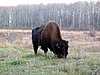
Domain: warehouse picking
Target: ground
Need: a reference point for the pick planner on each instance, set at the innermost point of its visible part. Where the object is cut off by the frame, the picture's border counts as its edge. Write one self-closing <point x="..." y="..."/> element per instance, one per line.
<point x="17" y="56"/>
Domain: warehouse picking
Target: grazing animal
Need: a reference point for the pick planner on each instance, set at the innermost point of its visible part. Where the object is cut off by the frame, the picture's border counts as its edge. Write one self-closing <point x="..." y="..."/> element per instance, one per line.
<point x="36" y="35"/>
<point x="51" y="38"/>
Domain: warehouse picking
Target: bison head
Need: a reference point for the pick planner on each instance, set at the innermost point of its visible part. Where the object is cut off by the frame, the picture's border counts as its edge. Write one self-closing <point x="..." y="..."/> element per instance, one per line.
<point x="60" y="48"/>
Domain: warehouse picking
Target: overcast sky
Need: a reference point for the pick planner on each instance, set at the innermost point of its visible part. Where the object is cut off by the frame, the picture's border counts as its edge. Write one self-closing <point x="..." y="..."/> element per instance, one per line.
<point x="17" y="2"/>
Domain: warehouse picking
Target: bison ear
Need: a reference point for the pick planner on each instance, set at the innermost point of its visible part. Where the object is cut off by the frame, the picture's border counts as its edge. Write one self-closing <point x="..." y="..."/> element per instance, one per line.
<point x="57" y="45"/>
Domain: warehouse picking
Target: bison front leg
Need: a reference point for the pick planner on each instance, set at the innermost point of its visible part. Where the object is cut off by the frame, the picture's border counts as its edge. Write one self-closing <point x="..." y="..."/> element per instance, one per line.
<point x="43" y="44"/>
<point x="45" y="52"/>
<point x="45" y="49"/>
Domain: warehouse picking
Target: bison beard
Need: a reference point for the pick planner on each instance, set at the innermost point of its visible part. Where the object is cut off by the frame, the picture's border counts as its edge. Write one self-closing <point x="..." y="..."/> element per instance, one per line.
<point x="51" y="38"/>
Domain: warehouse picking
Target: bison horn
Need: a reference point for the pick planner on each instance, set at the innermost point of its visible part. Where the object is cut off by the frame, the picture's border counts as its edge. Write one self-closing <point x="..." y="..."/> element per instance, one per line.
<point x="57" y="45"/>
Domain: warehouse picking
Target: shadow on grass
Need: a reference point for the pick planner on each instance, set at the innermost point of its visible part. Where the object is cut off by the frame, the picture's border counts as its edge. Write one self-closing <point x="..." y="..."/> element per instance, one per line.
<point x="39" y="55"/>
<point x="17" y="62"/>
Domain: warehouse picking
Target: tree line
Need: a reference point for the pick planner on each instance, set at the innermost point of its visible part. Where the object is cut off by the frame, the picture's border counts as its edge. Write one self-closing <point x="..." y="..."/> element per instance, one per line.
<point x="78" y="15"/>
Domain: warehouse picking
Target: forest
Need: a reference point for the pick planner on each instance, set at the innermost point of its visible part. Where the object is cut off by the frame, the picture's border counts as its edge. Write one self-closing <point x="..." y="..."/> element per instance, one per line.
<point x="78" y="15"/>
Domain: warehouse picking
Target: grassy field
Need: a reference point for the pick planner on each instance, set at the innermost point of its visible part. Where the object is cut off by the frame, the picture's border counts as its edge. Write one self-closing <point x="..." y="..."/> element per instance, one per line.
<point x="22" y="61"/>
<point x="17" y="59"/>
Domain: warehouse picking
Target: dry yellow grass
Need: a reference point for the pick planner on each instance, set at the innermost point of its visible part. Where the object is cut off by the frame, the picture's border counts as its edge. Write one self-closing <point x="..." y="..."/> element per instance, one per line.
<point x="22" y="38"/>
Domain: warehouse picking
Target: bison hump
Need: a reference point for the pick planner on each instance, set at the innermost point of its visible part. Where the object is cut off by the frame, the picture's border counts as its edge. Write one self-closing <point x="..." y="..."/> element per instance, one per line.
<point x="51" y="31"/>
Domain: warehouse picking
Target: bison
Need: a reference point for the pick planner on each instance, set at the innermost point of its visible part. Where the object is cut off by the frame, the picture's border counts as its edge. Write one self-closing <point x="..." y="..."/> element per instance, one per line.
<point x="51" y="38"/>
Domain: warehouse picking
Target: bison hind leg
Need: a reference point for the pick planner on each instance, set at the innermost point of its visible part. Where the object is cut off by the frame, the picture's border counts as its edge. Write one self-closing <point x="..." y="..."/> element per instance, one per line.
<point x="35" y="49"/>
